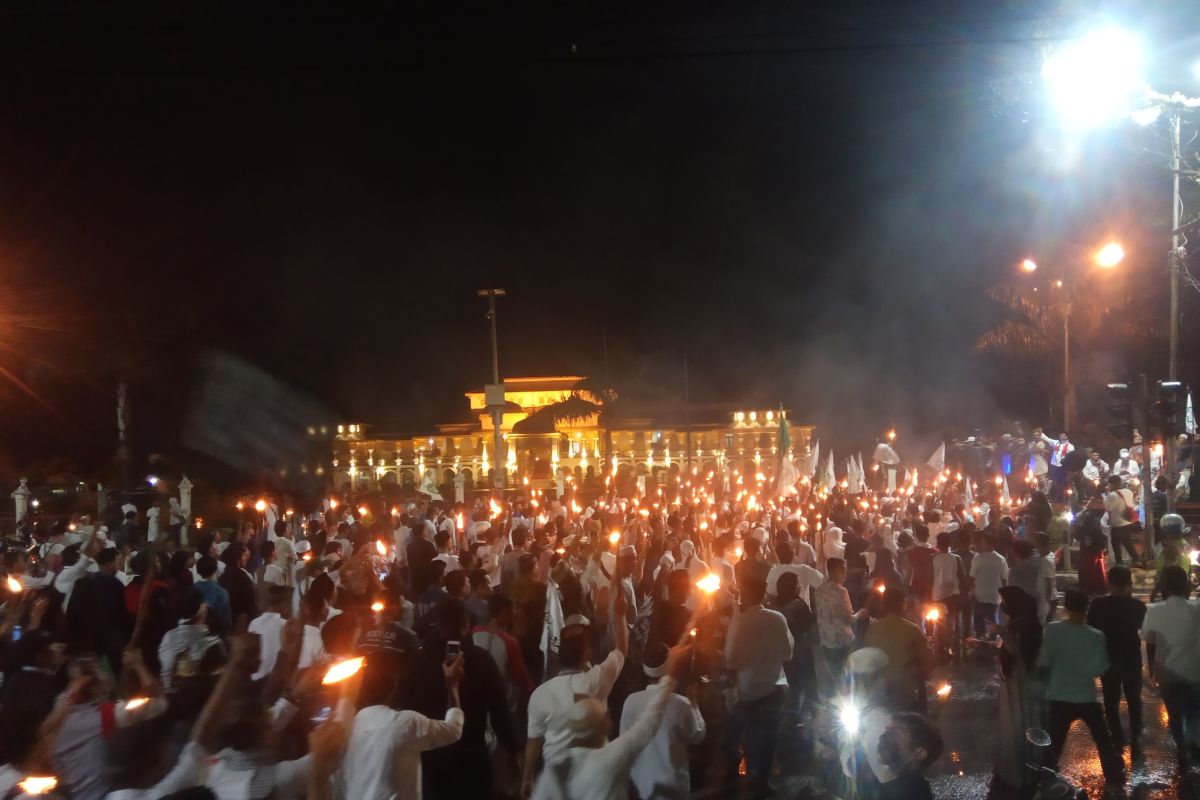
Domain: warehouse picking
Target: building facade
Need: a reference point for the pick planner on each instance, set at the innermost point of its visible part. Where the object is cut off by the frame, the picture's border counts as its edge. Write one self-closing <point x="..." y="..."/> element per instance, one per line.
<point x="581" y="451"/>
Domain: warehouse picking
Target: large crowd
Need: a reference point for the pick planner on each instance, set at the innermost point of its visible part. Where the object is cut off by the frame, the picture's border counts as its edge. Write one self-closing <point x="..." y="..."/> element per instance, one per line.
<point x="625" y="644"/>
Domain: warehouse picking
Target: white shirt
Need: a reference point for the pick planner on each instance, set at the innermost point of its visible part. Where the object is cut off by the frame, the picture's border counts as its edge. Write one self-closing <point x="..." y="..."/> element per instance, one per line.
<point x="1173" y="627"/>
<point x="1117" y="504"/>
<point x="65" y="580"/>
<point x="550" y="702"/>
<point x="945" y="575"/>
<point x="663" y="763"/>
<point x="805" y="554"/>
<point x="757" y="645"/>
<point x="1045" y="596"/>
<point x="990" y="572"/>
<point x="1126" y="468"/>
<point x="273" y="574"/>
<point x="312" y="647"/>
<point x="1094" y="470"/>
<point x="383" y="756"/>
<point x="450" y="560"/>
<point x="808" y="578"/>
<point x="602" y="773"/>
<point x="269" y="627"/>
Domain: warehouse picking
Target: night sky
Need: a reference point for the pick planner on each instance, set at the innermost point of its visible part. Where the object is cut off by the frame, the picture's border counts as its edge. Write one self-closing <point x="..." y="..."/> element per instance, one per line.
<point x="805" y="200"/>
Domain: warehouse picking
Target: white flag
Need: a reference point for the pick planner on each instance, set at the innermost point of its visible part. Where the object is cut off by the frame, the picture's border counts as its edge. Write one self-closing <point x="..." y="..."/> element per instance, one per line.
<point x="552" y="629"/>
<point x="785" y="480"/>
<point x="853" y="479"/>
<point x="1189" y="418"/>
<point x="968" y="498"/>
<point x="937" y="461"/>
<point x="814" y="459"/>
<point x="1004" y="495"/>
<point x="830" y="480"/>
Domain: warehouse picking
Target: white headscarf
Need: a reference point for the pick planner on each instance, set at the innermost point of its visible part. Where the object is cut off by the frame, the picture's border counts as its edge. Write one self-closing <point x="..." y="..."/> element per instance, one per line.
<point x="834" y="546"/>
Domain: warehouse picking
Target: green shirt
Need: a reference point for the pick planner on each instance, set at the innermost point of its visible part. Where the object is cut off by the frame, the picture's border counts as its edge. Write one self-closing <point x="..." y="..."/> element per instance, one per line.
<point x="1073" y="656"/>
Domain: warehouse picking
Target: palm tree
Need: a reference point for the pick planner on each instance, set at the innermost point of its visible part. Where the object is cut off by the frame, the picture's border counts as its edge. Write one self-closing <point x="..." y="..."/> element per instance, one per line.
<point x="1042" y="324"/>
<point x="588" y="398"/>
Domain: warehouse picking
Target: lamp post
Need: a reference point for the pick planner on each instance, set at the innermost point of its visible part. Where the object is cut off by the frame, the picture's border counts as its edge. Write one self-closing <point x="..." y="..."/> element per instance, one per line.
<point x="1096" y="81"/>
<point x="494" y="394"/>
<point x="1106" y="257"/>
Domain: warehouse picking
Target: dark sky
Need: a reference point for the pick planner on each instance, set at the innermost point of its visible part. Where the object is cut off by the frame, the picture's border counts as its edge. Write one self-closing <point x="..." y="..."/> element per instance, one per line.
<point x="804" y="199"/>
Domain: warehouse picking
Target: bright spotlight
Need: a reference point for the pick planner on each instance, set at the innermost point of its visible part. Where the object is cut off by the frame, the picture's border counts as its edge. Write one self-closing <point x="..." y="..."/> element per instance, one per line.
<point x="1110" y="255"/>
<point x="1029" y="265"/>
<point x="848" y="716"/>
<point x="1095" y="80"/>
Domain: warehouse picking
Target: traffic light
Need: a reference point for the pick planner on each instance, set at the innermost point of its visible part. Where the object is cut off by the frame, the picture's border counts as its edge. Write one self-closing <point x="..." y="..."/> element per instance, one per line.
<point x="1168" y="408"/>
<point x="1120" y="411"/>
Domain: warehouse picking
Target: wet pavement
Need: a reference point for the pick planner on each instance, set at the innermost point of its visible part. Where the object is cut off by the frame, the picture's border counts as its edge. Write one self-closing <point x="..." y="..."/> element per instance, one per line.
<point x="969" y="724"/>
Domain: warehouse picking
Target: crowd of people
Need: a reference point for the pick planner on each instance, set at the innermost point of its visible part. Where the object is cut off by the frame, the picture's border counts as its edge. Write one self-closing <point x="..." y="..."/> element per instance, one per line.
<point x="538" y="646"/>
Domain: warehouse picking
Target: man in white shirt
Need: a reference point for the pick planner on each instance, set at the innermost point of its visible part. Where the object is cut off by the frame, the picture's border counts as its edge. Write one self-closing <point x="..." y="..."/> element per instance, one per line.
<point x="268" y="626"/>
<point x="444" y="542"/>
<point x="948" y="574"/>
<point x="1125" y="467"/>
<point x="551" y="703"/>
<point x="1172" y="634"/>
<point x="756" y="647"/>
<point x="383" y="756"/>
<point x="806" y="576"/>
<point x="65" y="581"/>
<point x="594" y="768"/>
<point x="661" y="770"/>
<point x="1095" y="470"/>
<point x="1119" y="504"/>
<point x="989" y="571"/>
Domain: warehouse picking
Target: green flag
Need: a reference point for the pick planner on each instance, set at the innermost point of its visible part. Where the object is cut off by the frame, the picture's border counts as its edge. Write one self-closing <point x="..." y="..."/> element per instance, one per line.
<point x="785" y="434"/>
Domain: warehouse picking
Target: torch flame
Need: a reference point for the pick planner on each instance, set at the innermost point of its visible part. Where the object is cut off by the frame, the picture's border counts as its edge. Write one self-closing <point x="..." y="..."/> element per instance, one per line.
<point x="709" y="583"/>
<point x="943" y="691"/>
<point x="614" y="537"/>
<point x="260" y="506"/>
<point x="342" y="670"/>
<point x="377" y="606"/>
<point x="36" y="784"/>
<point x="460" y="522"/>
<point x="881" y="588"/>
<point x="333" y="504"/>
<point x="933" y="615"/>
<point x="380" y="547"/>
<point x="13" y="585"/>
<point x="134" y="703"/>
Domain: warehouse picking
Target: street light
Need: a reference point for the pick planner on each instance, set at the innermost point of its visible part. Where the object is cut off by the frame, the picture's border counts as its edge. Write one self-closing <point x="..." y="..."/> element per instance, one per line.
<point x="1109" y="256"/>
<point x="1097" y="80"/>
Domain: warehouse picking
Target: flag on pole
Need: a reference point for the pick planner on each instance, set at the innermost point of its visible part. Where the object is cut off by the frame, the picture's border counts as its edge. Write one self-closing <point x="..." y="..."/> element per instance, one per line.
<point x="853" y="479"/>
<point x="968" y="498"/>
<point x="937" y="461"/>
<point x="552" y="629"/>
<point x="1189" y="418"/>
<point x="785" y="434"/>
<point x="830" y="480"/>
<point x="1005" y="497"/>
<point x="814" y="459"/>
<point x="786" y="477"/>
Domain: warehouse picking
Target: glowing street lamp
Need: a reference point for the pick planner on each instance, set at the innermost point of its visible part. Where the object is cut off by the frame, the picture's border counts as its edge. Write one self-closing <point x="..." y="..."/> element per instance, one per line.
<point x="1029" y="265"/>
<point x="1109" y="256"/>
<point x="1095" y="80"/>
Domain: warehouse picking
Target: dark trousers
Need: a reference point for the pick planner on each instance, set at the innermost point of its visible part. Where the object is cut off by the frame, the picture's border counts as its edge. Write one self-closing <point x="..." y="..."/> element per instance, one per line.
<point x="984" y="613"/>
<point x="835" y="660"/>
<point x="1122" y="537"/>
<point x="757" y="722"/>
<point x="1063" y="714"/>
<point x="1183" y="712"/>
<point x="1125" y="679"/>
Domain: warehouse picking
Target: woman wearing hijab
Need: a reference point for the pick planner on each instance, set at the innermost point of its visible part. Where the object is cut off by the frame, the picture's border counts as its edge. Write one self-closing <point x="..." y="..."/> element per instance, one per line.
<point x="886" y="575"/>
<point x="834" y="546"/>
<point x="1021" y="695"/>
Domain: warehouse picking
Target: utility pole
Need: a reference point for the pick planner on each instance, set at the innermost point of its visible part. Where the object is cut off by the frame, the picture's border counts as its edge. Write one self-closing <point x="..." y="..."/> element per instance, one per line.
<point x="1141" y="421"/>
<point x="1175" y="256"/>
<point x="687" y="421"/>
<point x="494" y="392"/>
